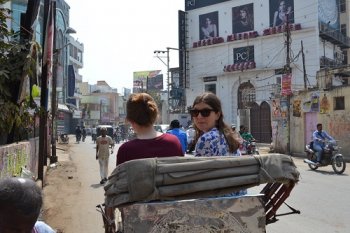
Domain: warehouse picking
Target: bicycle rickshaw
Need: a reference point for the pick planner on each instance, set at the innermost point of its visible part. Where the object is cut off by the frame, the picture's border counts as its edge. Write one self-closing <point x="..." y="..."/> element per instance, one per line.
<point x="188" y="194"/>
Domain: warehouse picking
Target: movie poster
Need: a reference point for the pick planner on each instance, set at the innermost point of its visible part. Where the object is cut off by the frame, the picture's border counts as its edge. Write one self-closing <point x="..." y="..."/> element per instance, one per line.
<point x="243" y="18"/>
<point x="209" y="25"/>
<point x="312" y="104"/>
<point x="280" y="12"/>
<point x="276" y="108"/>
<point x="297" y="108"/>
<point x="324" y="105"/>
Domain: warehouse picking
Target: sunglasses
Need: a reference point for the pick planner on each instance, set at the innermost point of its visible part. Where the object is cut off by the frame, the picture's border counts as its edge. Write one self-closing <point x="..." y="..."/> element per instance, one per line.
<point x="204" y="112"/>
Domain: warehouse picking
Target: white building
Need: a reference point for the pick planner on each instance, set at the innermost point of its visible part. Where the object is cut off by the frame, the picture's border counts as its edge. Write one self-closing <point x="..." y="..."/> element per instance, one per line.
<point x="245" y="66"/>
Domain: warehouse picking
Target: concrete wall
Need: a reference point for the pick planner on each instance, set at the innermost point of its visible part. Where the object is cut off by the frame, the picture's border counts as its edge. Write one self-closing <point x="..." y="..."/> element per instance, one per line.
<point x="335" y="122"/>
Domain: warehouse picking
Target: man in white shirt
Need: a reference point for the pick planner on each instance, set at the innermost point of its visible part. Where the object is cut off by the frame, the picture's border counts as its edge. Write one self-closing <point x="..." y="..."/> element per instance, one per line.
<point x="103" y="143"/>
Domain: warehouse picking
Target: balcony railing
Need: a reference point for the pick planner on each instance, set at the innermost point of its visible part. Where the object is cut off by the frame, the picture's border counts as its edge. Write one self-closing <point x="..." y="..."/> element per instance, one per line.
<point x="333" y="36"/>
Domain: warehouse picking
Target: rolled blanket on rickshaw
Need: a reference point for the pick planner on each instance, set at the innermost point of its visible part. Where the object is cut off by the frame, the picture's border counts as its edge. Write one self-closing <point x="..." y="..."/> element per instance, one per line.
<point x="176" y="178"/>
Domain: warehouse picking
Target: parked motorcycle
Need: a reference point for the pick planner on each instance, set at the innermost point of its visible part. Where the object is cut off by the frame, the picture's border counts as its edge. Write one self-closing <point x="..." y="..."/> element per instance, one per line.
<point x="330" y="156"/>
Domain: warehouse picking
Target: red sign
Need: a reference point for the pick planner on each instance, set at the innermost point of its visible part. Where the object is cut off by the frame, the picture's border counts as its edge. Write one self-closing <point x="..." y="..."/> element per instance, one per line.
<point x="286" y="84"/>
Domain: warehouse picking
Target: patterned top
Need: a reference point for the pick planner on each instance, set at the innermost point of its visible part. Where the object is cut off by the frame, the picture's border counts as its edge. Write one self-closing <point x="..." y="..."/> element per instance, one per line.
<point x="213" y="143"/>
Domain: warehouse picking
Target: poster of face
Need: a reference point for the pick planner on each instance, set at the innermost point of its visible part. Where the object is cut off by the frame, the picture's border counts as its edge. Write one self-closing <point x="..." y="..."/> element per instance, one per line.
<point x="281" y="11"/>
<point x="276" y="108"/>
<point x="209" y="25"/>
<point x="324" y="105"/>
<point x="312" y="104"/>
<point x="284" y="108"/>
<point x="242" y="18"/>
<point x="297" y="108"/>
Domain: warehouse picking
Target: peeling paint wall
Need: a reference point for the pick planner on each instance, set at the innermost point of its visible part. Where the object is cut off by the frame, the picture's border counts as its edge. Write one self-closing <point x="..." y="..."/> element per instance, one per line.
<point x="12" y="158"/>
<point x="335" y="122"/>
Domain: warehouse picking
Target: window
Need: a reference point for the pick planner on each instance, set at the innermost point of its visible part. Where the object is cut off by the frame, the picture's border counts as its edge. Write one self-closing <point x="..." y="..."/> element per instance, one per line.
<point x="345" y="53"/>
<point x="343" y="29"/>
<point x="339" y="103"/>
<point x="342" y="6"/>
<point x="210" y="88"/>
<point x="246" y="95"/>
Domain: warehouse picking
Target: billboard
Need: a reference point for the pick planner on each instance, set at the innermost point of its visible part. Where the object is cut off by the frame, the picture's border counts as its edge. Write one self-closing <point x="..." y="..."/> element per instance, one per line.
<point x="147" y="80"/>
<point x="243" y="18"/>
<point x="279" y="10"/>
<point x="328" y="13"/>
<point x="194" y="4"/>
<point x="243" y="54"/>
<point x="209" y="25"/>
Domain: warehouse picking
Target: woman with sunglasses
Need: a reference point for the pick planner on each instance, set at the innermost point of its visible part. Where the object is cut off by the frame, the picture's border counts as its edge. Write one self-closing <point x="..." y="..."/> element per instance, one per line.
<point x="214" y="136"/>
<point x="142" y="113"/>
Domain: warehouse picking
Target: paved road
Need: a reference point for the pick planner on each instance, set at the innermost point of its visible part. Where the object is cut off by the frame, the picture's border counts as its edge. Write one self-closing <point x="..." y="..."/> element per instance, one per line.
<point x="322" y="197"/>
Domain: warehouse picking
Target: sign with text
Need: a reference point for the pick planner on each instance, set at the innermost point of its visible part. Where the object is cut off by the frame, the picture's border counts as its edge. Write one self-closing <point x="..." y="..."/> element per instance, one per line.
<point x="243" y="54"/>
<point x="286" y="84"/>
<point x="147" y="80"/>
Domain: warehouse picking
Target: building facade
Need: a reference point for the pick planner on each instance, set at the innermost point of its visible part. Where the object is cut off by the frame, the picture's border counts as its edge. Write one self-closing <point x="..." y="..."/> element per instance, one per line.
<point x="253" y="53"/>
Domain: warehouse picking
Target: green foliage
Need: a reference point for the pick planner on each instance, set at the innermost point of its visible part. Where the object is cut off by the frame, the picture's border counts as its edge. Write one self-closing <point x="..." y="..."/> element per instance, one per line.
<point x="16" y="63"/>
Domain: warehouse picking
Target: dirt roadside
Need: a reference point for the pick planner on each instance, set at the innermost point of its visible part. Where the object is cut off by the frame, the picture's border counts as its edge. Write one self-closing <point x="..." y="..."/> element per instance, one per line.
<point x="61" y="189"/>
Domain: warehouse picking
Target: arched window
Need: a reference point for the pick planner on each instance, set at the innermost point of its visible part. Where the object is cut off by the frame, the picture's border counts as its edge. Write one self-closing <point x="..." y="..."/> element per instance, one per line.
<point x="246" y="95"/>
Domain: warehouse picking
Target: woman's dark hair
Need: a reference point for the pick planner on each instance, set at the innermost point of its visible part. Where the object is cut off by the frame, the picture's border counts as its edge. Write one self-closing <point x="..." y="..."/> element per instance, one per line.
<point x="213" y="101"/>
<point x="141" y="109"/>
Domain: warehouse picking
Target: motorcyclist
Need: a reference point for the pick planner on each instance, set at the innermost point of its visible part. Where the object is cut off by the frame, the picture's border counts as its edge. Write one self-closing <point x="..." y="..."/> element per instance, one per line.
<point x="247" y="138"/>
<point x="319" y="137"/>
<point x="246" y="135"/>
<point x="78" y="133"/>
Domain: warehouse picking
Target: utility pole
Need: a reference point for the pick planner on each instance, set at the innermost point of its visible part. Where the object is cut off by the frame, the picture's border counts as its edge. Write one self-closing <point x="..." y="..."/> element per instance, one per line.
<point x="53" y="158"/>
<point x="304" y="69"/>
<point x="288" y="73"/>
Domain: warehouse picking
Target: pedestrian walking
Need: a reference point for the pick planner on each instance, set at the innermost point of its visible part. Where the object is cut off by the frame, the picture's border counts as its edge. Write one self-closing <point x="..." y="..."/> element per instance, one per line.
<point x="103" y="144"/>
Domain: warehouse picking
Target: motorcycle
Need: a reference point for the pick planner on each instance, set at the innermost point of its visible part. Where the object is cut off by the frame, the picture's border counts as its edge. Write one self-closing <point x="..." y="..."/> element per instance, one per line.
<point x="64" y="138"/>
<point x="249" y="148"/>
<point x="330" y="156"/>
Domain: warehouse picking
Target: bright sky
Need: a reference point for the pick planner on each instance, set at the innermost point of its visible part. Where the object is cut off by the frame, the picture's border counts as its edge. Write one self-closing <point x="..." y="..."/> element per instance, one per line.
<point x="120" y="37"/>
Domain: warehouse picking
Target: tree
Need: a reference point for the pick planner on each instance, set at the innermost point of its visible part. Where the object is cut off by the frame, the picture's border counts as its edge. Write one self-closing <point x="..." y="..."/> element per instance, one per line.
<point x="17" y="63"/>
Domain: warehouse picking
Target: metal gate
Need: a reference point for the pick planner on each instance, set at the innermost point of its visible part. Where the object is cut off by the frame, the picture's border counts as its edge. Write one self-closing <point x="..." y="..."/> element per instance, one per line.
<point x="260" y="122"/>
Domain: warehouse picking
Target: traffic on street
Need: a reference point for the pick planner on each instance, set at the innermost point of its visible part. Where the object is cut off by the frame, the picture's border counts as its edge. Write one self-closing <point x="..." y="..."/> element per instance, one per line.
<point x="319" y="195"/>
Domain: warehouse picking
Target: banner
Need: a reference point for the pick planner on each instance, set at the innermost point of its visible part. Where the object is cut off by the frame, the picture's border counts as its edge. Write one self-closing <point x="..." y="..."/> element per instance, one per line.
<point x="286" y="84"/>
<point x="48" y="44"/>
<point x="147" y="80"/>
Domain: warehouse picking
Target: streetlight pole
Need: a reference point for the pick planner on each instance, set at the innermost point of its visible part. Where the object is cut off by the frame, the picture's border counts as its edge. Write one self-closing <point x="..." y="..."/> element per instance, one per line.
<point x="167" y="64"/>
<point x="157" y="52"/>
